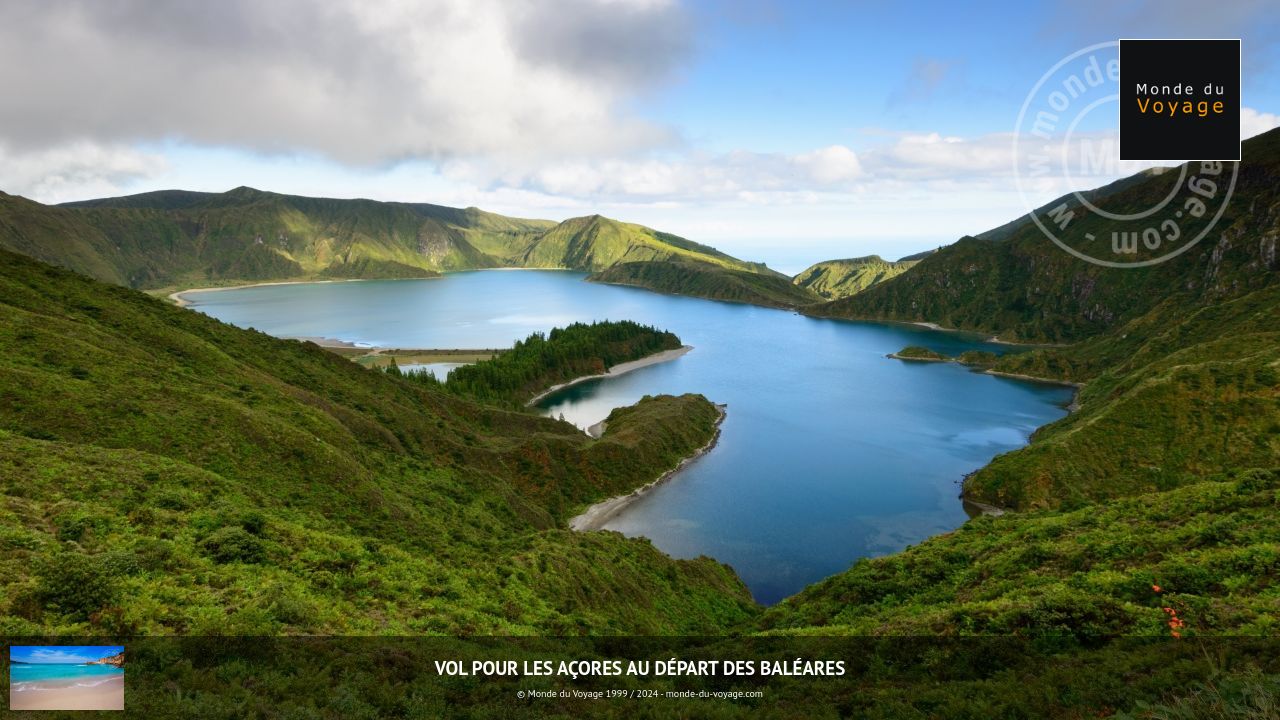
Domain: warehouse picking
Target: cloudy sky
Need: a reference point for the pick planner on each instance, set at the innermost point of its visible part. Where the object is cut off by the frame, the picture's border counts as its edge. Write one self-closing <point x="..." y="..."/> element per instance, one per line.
<point x="781" y="131"/>
<point x="62" y="654"/>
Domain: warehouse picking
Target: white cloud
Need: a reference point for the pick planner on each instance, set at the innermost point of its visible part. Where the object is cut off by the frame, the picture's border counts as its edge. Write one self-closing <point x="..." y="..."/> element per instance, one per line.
<point x="692" y="177"/>
<point x="364" y="83"/>
<point x="1253" y="122"/>
<point x="75" y="170"/>
<point x="932" y="156"/>
<point x="829" y="165"/>
<point x="51" y="655"/>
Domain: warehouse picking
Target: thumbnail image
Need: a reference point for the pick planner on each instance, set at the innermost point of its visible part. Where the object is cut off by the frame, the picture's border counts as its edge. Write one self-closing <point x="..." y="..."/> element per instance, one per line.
<point x="66" y="677"/>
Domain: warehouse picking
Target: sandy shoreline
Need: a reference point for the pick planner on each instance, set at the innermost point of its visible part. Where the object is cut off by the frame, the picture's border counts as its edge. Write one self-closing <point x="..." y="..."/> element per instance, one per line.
<point x="616" y="370"/>
<point x="1073" y="406"/>
<point x="989" y="338"/>
<point x="597" y="430"/>
<point x="326" y="342"/>
<point x="180" y="301"/>
<point x="983" y="508"/>
<point x="106" y="695"/>
<point x="594" y="517"/>
<point x="1033" y="378"/>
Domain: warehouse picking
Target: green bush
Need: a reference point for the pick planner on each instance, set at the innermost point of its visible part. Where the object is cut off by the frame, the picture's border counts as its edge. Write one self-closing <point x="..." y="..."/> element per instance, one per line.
<point x="233" y="544"/>
<point x="117" y="563"/>
<point x="74" y="584"/>
<point x="153" y="554"/>
<point x="78" y="526"/>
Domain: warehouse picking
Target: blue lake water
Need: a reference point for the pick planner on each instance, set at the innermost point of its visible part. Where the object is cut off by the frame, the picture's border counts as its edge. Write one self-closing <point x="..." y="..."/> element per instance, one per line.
<point x="830" y="451"/>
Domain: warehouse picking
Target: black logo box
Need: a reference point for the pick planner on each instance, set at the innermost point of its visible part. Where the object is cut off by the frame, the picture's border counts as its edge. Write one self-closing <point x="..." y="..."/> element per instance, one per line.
<point x="1185" y="67"/>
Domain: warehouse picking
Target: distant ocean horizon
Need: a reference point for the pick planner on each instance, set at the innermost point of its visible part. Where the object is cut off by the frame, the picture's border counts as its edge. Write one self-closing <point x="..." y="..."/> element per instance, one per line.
<point x="34" y="676"/>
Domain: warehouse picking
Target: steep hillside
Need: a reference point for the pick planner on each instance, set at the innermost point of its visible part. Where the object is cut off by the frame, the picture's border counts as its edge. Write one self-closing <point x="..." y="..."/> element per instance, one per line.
<point x="705" y="280"/>
<point x="833" y="279"/>
<point x="1082" y="574"/>
<point x="1023" y="287"/>
<point x="179" y="238"/>
<point x="161" y="472"/>
<point x="1181" y="361"/>
<point x="595" y="243"/>
<point x="1151" y="503"/>
<point x="126" y="246"/>
<point x="1171" y="398"/>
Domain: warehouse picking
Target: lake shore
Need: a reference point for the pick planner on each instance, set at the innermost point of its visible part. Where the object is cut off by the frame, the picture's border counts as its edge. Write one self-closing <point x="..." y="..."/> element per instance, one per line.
<point x="107" y="694"/>
<point x="1073" y="406"/>
<point x="616" y="370"/>
<point x="597" y="430"/>
<point x="908" y="358"/>
<point x="989" y="338"/>
<point x="180" y="301"/>
<point x="973" y="507"/>
<point x="595" y="517"/>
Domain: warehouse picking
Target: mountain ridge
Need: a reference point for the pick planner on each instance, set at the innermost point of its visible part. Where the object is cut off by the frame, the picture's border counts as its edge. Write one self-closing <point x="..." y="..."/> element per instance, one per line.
<point x="1012" y="281"/>
<point x="182" y="239"/>
<point x="833" y="279"/>
<point x="168" y="473"/>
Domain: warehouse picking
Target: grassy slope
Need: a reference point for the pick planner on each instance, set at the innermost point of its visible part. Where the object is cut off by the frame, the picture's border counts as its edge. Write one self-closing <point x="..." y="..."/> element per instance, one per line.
<point x="163" y="472"/>
<point x="1212" y="547"/>
<point x="705" y="280"/>
<point x="1179" y="360"/>
<point x="595" y="243"/>
<point x="178" y="238"/>
<point x="832" y="279"/>
<point x="1174" y="396"/>
<point x="1025" y="288"/>
<point x="126" y="246"/>
<point x="1167" y="475"/>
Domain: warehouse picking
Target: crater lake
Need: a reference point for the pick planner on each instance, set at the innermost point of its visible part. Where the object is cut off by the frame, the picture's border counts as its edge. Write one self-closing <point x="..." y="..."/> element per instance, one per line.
<point x="829" y="452"/>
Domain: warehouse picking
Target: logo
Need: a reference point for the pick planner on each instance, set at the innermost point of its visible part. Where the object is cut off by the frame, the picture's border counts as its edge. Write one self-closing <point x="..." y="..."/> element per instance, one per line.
<point x="1110" y="212"/>
<point x="1180" y="99"/>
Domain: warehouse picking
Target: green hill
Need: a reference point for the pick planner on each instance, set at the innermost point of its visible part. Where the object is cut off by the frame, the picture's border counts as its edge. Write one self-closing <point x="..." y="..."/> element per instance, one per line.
<point x="545" y="360"/>
<point x="179" y="238"/>
<point x="1075" y="574"/>
<point x="832" y="279"/>
<point x="1181" y="395"/>
<point x="711" y="281"/>
<point x="1179" y="360"/>
<point x="1172" y="397"/>
<point x="165" y="473"/>
<point x="1025" y="288"/>
<point x="595" y="243"/>
<point x="1153" y="502"/>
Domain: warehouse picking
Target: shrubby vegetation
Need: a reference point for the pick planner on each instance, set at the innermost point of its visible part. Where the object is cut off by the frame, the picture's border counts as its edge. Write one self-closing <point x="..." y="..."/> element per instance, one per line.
<point x="176" y="238"/>
<point x="916" y="352"/>
<point x="1087" y="575"/>
<point x="205" y="480"/>
<point x="163" y="473"/>
<point x="542" y="360"/>
<point x="758" y="286"/>
<point x="1170" y="399"/>
<point x="832" y="279"/>
<point x="1014" y="283"/>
